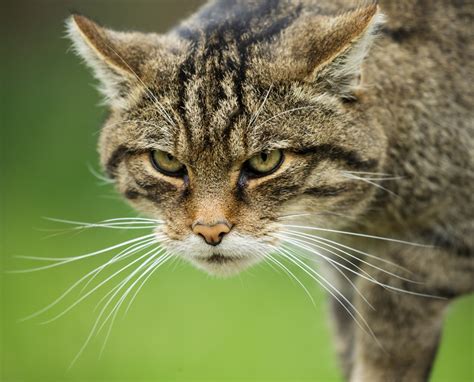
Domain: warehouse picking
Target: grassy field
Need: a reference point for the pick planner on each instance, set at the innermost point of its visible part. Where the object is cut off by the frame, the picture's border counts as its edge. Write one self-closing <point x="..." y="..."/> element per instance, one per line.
<point x="184" y="325"/>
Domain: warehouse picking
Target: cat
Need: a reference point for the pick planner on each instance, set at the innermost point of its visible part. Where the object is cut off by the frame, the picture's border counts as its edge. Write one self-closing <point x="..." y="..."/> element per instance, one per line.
<point x="265" y="130"/>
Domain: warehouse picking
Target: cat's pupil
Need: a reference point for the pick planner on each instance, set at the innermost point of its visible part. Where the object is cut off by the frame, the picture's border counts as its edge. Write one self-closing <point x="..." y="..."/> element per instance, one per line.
<point x="170" y="157"/>
<point x="264" y="157"/>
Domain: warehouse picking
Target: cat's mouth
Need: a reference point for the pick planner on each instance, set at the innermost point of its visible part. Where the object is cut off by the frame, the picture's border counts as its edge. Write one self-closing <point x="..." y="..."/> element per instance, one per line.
<point x="218" y="264"/>
<point x="217" y="258"/>
<point x="234" y="255"/>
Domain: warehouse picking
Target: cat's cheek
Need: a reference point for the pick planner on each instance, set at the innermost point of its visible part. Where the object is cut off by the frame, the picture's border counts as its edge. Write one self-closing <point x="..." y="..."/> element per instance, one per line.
<point x="145" y="207"/>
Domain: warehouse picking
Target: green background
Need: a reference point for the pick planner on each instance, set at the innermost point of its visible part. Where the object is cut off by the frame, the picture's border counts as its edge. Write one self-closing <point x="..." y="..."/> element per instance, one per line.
<point x="184" y="325"/>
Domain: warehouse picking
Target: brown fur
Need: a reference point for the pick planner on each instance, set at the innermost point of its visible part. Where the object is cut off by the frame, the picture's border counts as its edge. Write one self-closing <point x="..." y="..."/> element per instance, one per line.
<point x="241" y="77"/>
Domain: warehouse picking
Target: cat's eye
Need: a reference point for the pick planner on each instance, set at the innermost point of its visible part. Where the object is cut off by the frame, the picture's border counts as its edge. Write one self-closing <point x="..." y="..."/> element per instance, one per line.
<point x="265" y="162"/>
<point x="166" y="163"/>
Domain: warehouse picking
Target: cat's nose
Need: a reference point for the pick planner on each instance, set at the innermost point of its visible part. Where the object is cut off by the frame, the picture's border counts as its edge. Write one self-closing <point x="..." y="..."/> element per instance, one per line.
<point x="212" y="234"/>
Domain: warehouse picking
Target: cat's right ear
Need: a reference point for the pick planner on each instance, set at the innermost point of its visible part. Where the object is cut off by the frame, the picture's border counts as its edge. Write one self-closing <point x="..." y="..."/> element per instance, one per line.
<point x="326" y="50"/>
<point x="116" y="58"/>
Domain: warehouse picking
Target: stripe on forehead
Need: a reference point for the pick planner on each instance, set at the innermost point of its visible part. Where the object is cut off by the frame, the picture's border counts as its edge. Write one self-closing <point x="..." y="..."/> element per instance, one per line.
<point x="221" y="37"/>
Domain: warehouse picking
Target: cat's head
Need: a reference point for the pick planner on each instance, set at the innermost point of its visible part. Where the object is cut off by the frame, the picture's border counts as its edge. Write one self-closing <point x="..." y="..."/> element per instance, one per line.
<point x="237" y="118"/>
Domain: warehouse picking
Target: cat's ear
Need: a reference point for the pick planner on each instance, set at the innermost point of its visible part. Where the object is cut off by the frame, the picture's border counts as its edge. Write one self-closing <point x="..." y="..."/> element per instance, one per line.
<point x="116" y="58"/>
<point x="329" y="50"/>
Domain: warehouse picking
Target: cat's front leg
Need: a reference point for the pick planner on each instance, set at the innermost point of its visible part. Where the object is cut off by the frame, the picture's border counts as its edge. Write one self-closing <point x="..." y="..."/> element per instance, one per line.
<point x="406" y="328"/>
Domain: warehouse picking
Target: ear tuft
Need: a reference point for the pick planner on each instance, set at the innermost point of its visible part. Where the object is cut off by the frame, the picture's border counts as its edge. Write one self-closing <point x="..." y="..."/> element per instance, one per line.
<point x="91" y="38"/>
<point x="105" y="52"/>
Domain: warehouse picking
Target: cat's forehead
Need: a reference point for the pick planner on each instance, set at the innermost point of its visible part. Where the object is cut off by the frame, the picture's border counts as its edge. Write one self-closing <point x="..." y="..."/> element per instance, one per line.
<point x="222" y="122"/>
<point x="217" y="87"/>
<point x="210" y="109"/>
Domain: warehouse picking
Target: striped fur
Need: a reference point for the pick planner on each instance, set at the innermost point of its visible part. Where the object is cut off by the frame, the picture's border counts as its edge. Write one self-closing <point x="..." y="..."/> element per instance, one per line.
<point x="240" y="77"/>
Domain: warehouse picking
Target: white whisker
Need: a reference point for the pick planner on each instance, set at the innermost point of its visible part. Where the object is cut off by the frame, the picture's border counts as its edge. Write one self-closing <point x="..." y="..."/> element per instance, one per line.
<point x="320" y="213"/>
<point x="359" y="234"/>
<point x="160" y="107"/>
<point x="136" y="248"/>
<point x="351" y="283"/>
<point x="330" y="288"/>
<point x="302" y="245"/>
<point x="368" y="278"/>
<point x="104" y="180"/>
<point x="356" y="251"/>
<point x="376" y="174"/>
<point x="82" y="298"/>
<point x="257" y="113"/>
<point x="123" y="223"/>
<point x="134" y="219"/>
<point x="372" y="182"/>
<point x="156" y="265"/>
<point x="292" y="275"/>
<point x="285" y="112"/>
<point x="113" y="313"/>
<point x="96" y="323"/>
<point x="78" y="282"/>
<point x="68" y="260"/>
<point x="324" y="245"/>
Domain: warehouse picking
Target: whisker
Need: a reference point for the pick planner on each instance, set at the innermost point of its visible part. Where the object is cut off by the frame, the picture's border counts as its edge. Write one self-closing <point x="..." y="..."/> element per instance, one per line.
<point x="82" y="298"/>
<point x="301" y="244"/>
<point x="316" y="240"/>
<point x="78" y="282"/>
<point x="369" y="181"/>
<point x="135" y="218"/>
<point x="104" y="180"/>
<point x="256" y="115"/>
<point x="113" y="313"/>
<point x="377" y="174"/>
<point x="285" y="112"/>
<point x="160" y="107"/>
<point x="296" y="215"/>
<point x="92" y="331"/>
<point x="76" y="258"/>
<point x="351" y="283"/>
<point x="326" y="285"/>
<point x="109" y="293"/>
<point x="320" y="213"/>
<point x="270" y="264"/>
<point x="109" y="223"/>
<point x="368" y="278"/>
<point x="121" y="256"/>
<point x="64" y="260"/>
<point x="360" y="235"/>
<point x="357" y="251"/>
<point x="156" y="266"/>
<point x="292" y="275"/>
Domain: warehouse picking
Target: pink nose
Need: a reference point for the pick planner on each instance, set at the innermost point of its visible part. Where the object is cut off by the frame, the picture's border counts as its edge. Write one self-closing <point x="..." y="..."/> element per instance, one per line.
<point x="212" y="234"/>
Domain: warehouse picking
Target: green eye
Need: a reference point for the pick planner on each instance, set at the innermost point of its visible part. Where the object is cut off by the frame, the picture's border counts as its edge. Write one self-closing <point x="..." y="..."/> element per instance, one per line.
<point x="166" y="163"/>
<point x="266" y="162"/>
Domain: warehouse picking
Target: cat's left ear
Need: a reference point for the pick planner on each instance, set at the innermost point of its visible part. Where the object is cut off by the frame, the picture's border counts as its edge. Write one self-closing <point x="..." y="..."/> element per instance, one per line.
<point x="117" y="59"/>
<point x="328" y="51"/>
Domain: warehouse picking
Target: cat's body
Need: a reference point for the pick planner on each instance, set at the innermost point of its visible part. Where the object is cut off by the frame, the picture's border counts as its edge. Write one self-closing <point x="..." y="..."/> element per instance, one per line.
<point x="244" y="77"/>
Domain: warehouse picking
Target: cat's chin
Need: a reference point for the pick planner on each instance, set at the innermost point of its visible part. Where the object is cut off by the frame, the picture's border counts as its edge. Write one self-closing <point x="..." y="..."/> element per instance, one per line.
<point x="223" y="266"/>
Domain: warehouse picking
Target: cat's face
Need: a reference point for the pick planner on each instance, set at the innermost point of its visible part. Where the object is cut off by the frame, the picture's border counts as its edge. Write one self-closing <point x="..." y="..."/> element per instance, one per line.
<point x="223" y="150"/>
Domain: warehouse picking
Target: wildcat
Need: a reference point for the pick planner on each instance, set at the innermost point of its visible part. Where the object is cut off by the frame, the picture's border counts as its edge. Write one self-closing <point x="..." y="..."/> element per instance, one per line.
<point x="260" y="130"/>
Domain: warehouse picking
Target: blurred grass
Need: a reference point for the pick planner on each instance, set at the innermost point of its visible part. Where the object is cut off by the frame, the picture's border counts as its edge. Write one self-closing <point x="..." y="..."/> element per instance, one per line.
<point x="184" y="325"/>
